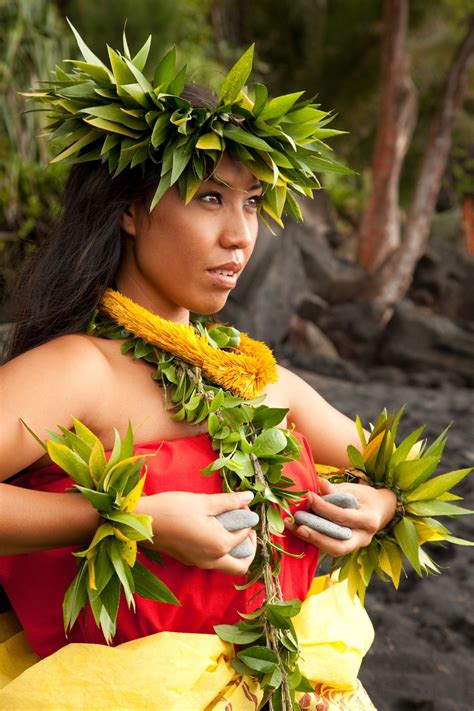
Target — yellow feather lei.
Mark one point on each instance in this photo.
(245, 371)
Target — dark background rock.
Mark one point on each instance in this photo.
(417, 338)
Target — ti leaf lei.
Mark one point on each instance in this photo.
(251, 451)
(407, 468)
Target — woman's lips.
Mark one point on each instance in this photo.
(224, 278)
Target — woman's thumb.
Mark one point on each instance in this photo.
(230, 501)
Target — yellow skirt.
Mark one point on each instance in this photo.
(171, 671)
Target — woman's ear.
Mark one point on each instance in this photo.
(128, 221)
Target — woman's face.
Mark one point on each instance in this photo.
(183, 258)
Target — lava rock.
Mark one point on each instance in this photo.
(237, 519)
(243, 550)
(317, 523)
(343, 500)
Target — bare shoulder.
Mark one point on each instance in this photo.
(45, 387)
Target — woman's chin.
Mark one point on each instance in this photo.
(208, 307)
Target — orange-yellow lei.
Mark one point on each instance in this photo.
(245, 371)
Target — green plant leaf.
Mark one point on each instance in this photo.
(122, 570)
(260, 659)
(239, 135)
(269, 442)
(268, 417)
(407, 539)
(89, 56)
(236, 78)
(275, 520)
(355, 457)
(99, 500)
(438, 485)
(231, 633)
(407, 473)
(75, 598)
(434, 507)
(165, 70)
(70, 462)
(279, 106)
(138, 522)
(147, 585)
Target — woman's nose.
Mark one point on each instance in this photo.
(238, 231)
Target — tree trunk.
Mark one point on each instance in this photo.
(379, 233)
(393, 279)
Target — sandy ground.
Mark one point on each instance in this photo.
(423, 655)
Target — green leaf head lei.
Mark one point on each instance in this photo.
(116, 115)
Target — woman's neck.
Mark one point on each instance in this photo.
(150, 299)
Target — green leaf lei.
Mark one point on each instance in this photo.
(118, 116)
(109, 564)
(251, 451)
(407, 469)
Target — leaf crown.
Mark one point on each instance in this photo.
(116, 115)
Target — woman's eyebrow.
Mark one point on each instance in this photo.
(221, 182)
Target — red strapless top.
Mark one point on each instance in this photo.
(36, 582)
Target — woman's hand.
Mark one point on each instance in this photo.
(376, 509)
(185, 527)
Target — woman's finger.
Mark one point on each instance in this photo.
(218, 503)
(329, 545)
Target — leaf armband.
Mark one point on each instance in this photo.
(407, 469)
(108, 567)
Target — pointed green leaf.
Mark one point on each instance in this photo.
(438, 485)
(138, 522)
(356, 458)
(236, 78)
(123, 571)
(434, 507)
(260, 659)
(407, 539)
(239, 135)
(165, 70)
(88, 137)
(231, 633)
(141, 56)
(34, 435)
(108, 126)
(71, 463)
(100, 501)
(147, 585)
(89, 56)
(75, 598)
(279, 105)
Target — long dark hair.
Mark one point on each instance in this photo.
(63, 283)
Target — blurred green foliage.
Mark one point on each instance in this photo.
(32, 38)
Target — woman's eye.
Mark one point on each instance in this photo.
(255, 200)
(211, 198)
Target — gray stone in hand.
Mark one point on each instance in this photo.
(243, 550)
(343, 500)
(317, 523)
(237, 519)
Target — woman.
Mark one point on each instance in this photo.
(178, 258)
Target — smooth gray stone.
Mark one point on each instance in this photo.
(237, 519)
(243, 550)
(343, 500)
(317, 523)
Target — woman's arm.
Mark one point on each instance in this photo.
(50, 384)
(327, 430)
(35, 520)
(329, 433)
